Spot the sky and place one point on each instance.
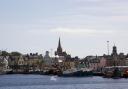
(84, 26)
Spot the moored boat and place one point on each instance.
(116, 72)
(76, 73)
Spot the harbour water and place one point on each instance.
(53, 82)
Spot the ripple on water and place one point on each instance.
(48, 82)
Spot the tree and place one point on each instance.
(4, 53)
(15, 54)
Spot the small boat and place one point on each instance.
(53, 78)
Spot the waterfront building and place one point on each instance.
(47, 59)
(103, 62)
(126, 60)
(13, 62)
(25, 63)
(115, 59)
(16, 63)
(22, 64)
(95, 63)
(68, 64)
(3, 64)
(34, 61)
(21, 61)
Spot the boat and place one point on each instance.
(53, 78)
(116, 71)
(76, 73)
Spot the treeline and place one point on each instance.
(5, 53)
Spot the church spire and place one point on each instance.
(59, 49)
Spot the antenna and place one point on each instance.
(108, 47)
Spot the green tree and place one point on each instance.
(15, 54)
(4, 53)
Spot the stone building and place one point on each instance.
(47, 59)
(25, 63)
(115, 59)
(95, 63)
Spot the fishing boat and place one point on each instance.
(76, 73)
(115, 71)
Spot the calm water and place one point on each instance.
(48, 82)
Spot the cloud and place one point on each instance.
(87, 32)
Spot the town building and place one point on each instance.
(47, 59)
(25, 63)
(95, 63)
(115, 59)
(3, 64)
(63, 60)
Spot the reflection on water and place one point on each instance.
(54, 82)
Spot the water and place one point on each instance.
(54, 82)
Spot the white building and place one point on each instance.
(47, 59)
(3, 64)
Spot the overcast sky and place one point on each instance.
(84, 26)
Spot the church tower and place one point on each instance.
(114, 51)
(59, 51)
(115, 56)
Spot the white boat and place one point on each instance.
(53, 78)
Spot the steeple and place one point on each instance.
(59, 49)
